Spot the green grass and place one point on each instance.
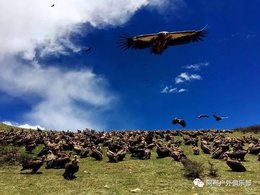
(154, 176)
(7, 127)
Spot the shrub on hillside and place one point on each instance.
(193, 170)
(253, 128)
(212, 171)
(10, 155)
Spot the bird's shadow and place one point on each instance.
(70, 178)
(239, 171)
(31, 173)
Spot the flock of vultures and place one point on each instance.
(59, 146)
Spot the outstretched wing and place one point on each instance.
(184, 37)
(202, 115)
(183, 123)
(138, 42)
(216, 117)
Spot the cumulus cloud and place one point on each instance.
(166, 6)
(29, 24)
(169, 89)
(196, 67)
(59, 94)
(60, 99)
(183, 77)
(182, 90)
(27, 126)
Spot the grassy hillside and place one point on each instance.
(254, 128)
(7, 127)
(154, 176)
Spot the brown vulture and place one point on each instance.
(159, 42)
(235, 165)
(202, 115)
(87, 50)
(179, 121)
(71, 168)
(35, 165)
(219, 118)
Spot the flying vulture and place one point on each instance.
(202, 115)
(87, 50)
(159, 42)
(52, 5)
(219, 118)
(179, 121)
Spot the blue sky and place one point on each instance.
(48, 80)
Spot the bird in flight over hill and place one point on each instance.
(202, 115)
(87, 50)
(179, 121)
(219, 118)
(159, 42)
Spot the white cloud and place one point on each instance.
(173, 90)
(182, 90)
(169, 89)
(166, 6)
(183, 77)
(28, 26)
(55, 94)
(250, 36)
(27, 126)
(197, 66)
(165, 90)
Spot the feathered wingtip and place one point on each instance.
(125, 35)
(123, 41)
(205, 27)
(204, 31)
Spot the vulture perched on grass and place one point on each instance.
(70, 169)
(158, 43)
(219, 118)
(29, 147)
(163, 151)
(184, 160)
(121, 154)
(84, 152)
(59, 163)
(179, 121)
(113, 157)
(195, 150)
(96, 154)
(235, 165)
(35, 165)
(50, 158)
